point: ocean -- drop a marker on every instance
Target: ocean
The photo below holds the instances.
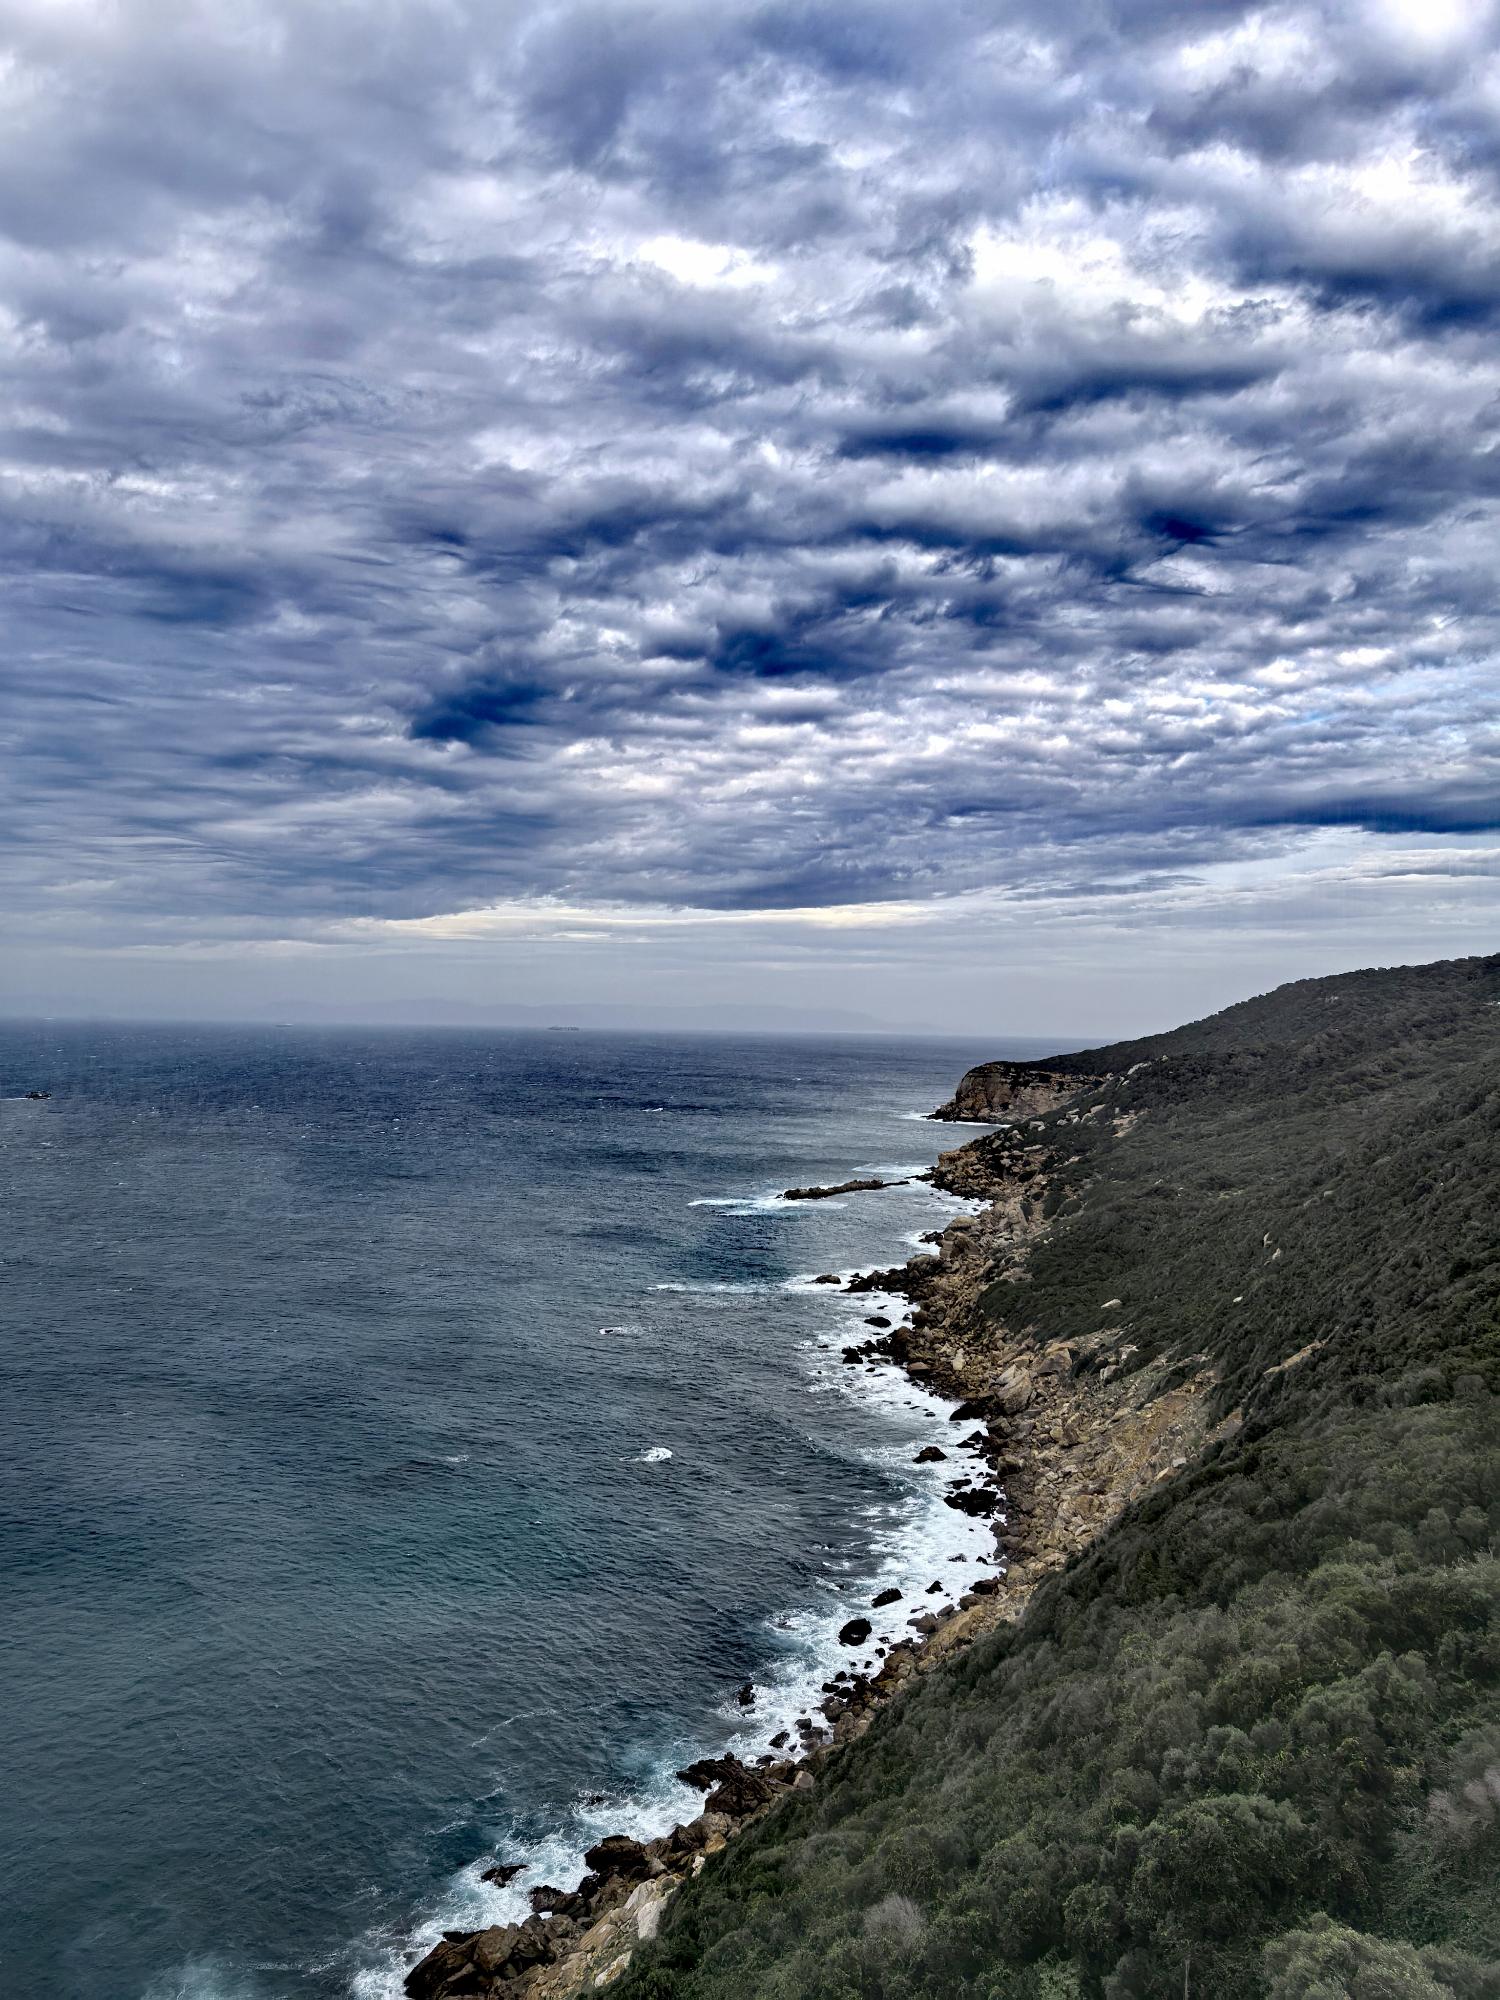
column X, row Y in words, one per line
column 410, row 1443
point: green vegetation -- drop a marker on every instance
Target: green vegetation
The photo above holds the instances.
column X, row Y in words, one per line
column 1249, row 1744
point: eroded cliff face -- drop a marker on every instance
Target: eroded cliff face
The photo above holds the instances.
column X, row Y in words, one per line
column 1001, row 1092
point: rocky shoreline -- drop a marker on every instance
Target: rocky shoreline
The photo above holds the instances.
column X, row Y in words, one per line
column 1057, row 1439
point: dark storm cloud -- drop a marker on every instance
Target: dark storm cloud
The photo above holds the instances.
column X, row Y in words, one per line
column 741, row 456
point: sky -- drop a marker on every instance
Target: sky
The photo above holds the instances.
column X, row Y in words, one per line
column 979, row 517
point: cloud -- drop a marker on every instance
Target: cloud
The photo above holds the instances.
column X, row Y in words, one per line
column 759, row 459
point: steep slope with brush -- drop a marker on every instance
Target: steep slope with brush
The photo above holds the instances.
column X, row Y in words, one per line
column 1239, row 1734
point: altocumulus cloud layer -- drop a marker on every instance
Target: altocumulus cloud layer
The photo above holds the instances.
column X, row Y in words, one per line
column 738, row 459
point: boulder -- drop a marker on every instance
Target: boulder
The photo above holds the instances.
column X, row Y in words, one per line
column 467, row 1964
column 978, row 1501
column 618, row 1854
column 733, row 1788
column 503, row 1872
column 546, row 1901
column 1013, row 1391
column 855, row 1632
column 891, row 1596
column 691, row 1837
column 929, row 1455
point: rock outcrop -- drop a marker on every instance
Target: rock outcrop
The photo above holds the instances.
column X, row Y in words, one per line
column 1002, row 1092
column 842, row 1187
column 474, row 1963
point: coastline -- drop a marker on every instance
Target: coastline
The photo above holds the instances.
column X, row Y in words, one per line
column 1051, row 1443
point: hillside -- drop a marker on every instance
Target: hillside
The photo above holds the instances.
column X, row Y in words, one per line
column 1237, row 1731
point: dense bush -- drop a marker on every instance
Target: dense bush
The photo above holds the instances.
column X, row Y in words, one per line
column 1250, row 1743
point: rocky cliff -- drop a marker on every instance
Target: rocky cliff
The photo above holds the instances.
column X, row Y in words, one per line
column 997, row 1093
column 1228, row 1330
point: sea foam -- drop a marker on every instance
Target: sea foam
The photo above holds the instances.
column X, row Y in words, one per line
column 915, row 1539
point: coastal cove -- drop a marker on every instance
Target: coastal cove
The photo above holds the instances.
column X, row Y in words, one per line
column 349, row 1405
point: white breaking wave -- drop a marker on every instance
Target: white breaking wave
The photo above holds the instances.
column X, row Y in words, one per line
column 746, row 1204
column 723, row 1285
column 916, row 1540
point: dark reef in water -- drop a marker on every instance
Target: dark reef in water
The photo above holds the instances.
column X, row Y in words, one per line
column 866, row 1186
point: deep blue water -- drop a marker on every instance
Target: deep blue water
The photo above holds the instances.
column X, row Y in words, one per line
column 341, row 1550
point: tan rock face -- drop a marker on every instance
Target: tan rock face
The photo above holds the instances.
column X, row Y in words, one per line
column 1000, row 1092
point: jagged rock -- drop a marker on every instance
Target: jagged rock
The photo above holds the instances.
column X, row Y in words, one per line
column 843, row 1187
column 746, row 1695
column 646, row 1910
column 547, row 1901
column 828, row 1278
column 618, row 1854
column 977, row 1501
column 690, row 1838
column 855, row 1632
column 897, row 1280
column 925, row 1621
column 1013, row 1391
column 503, row 1872
column 890, row 1596
column 929, row 1455
column 736, row 1789
column 969, row 1409
column 469, row 1963
column 996, row 1092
